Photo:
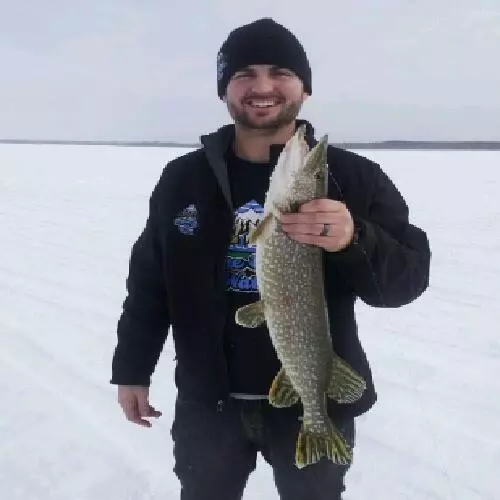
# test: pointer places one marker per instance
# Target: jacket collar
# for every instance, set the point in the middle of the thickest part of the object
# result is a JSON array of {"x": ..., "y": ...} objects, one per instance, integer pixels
[{"x": 217, "y": 143}]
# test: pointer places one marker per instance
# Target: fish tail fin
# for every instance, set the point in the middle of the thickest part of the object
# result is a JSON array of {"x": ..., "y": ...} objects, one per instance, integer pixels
[
  {"x": 346, "y": 385},
  {"x": 313, "y": 446},
  {"x": 282, "y": 393}
]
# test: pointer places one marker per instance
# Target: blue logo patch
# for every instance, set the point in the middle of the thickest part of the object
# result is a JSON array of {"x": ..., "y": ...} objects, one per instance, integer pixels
[
  {"x": 187, "y": 220},
  {"x": 240, "y": 266}
]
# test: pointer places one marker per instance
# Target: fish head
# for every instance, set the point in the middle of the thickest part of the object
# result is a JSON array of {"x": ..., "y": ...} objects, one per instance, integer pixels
[{"x": 300, "y": 174}]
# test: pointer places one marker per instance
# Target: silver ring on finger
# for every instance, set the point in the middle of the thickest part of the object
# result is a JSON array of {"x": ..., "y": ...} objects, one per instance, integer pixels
[{"x": 324, "y": 231}]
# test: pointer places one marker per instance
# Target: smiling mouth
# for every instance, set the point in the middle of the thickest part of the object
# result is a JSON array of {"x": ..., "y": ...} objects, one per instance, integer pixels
[{"x": 262, "y": 103}]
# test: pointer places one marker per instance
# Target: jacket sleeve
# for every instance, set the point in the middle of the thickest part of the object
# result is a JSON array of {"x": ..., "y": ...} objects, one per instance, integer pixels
[
  {"x": 387, "y": 264},
  {"x": 143, "y": 325}
]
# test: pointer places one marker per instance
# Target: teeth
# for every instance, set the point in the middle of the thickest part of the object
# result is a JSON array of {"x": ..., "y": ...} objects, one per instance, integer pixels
[{"x": 262, "y": 104}]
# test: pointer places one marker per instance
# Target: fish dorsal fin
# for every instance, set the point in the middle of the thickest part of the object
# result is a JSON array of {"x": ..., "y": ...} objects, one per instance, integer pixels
[{"x": 346, "y": 385}]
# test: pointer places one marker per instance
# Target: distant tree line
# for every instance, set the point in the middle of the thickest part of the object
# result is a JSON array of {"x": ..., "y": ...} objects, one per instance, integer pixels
[{"x": 393, "y": 144}]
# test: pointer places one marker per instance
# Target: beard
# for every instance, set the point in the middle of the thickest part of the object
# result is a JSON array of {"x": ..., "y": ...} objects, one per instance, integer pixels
[{"x": 286, "y": 116}]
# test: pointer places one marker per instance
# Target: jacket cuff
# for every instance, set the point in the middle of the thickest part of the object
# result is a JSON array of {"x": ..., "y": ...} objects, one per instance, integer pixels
[
  {"x": 361, "y": 245},
  {"x": 130, "y": 379}
]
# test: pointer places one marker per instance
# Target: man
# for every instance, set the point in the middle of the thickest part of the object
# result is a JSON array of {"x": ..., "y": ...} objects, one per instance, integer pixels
[{"x": 192, "y": 267}]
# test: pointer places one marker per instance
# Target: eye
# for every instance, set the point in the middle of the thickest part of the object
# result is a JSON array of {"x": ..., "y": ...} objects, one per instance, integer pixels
[
  {"x": 285, "y": 73},
  {"x": 244, "y": 73}
]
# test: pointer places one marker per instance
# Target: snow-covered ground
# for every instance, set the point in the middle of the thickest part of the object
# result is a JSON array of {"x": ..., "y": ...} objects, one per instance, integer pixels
[{"x": 68, "y": 216}]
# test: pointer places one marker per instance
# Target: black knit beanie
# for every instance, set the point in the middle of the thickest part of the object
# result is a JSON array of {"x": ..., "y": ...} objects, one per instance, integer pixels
[{"x": 262, "y": 42}]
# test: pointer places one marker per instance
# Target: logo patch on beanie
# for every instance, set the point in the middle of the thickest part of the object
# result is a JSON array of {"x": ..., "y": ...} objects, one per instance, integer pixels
[{"x": 221, "y": 65}]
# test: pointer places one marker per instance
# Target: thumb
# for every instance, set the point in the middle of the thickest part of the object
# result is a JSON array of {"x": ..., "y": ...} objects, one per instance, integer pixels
[{"x": 145, "y": 409}]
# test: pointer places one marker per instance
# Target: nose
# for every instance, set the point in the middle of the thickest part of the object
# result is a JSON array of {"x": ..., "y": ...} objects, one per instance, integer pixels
[{"x": 262, "y": 84}]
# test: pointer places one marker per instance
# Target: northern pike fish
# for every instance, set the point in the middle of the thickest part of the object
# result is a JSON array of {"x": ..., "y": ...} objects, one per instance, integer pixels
[{"x": 292, "y": 303}]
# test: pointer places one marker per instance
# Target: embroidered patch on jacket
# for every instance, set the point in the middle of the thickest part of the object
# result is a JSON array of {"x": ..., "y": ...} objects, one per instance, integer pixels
[{"x": 187, "y": 220}]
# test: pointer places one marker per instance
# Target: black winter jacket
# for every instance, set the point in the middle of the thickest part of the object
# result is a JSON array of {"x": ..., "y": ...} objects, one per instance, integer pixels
[{"x": 177, "y": 269}]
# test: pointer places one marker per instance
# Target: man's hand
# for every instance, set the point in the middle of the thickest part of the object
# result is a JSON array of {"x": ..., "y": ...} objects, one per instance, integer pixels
[
  {"x": 308, "y": 225},
  {"x": 134, "y": 401}
]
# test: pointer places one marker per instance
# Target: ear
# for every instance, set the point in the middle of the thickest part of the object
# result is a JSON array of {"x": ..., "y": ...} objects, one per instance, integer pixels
[{"x": 305, "y": 96}]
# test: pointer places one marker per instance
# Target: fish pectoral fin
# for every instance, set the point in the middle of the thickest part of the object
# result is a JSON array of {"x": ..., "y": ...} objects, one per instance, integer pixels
[
  {"x": 260, "y": 230},
  {"x": 282, "y": 393},
  {"x": 252, "y": 315},
  {"x": 346, "y": 385},
  {"x": 313, "y": 446}
]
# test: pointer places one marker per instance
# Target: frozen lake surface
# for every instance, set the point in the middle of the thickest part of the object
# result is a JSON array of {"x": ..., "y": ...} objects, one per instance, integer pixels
[{"x": 68, "y": 217}]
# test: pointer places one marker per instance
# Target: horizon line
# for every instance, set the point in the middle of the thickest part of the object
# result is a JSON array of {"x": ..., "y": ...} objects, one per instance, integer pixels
[{"x": 383, "y": 144}]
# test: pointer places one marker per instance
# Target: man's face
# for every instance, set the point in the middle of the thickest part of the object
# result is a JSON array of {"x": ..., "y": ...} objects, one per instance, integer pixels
[{"x": 264, "y": 97}]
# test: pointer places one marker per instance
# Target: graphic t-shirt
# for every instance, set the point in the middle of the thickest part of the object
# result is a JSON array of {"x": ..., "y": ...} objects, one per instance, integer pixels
[{"x": 252, "y": 360}]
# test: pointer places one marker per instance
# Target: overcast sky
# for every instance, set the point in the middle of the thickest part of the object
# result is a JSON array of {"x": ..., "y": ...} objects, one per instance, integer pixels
[{"x": 146, "y": 69}]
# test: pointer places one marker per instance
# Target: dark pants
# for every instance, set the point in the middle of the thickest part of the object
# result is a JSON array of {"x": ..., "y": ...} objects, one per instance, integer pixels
[{"x": 216, "y": 451}]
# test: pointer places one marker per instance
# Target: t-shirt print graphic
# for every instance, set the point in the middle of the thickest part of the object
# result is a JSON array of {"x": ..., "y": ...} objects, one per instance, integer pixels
[{"x": 241, "y": 256}]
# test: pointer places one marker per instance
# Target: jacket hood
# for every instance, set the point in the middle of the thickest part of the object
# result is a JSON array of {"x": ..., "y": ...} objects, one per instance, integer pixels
[{"x": 217, "y": 143}]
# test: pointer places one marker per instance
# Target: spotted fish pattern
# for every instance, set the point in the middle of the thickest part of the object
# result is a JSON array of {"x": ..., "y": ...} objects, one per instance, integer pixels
[{"x": 292, "y": 302}]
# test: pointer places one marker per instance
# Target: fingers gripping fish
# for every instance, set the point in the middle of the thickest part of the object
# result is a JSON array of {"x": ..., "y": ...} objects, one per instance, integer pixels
[{"x": 292, "y": 302}]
